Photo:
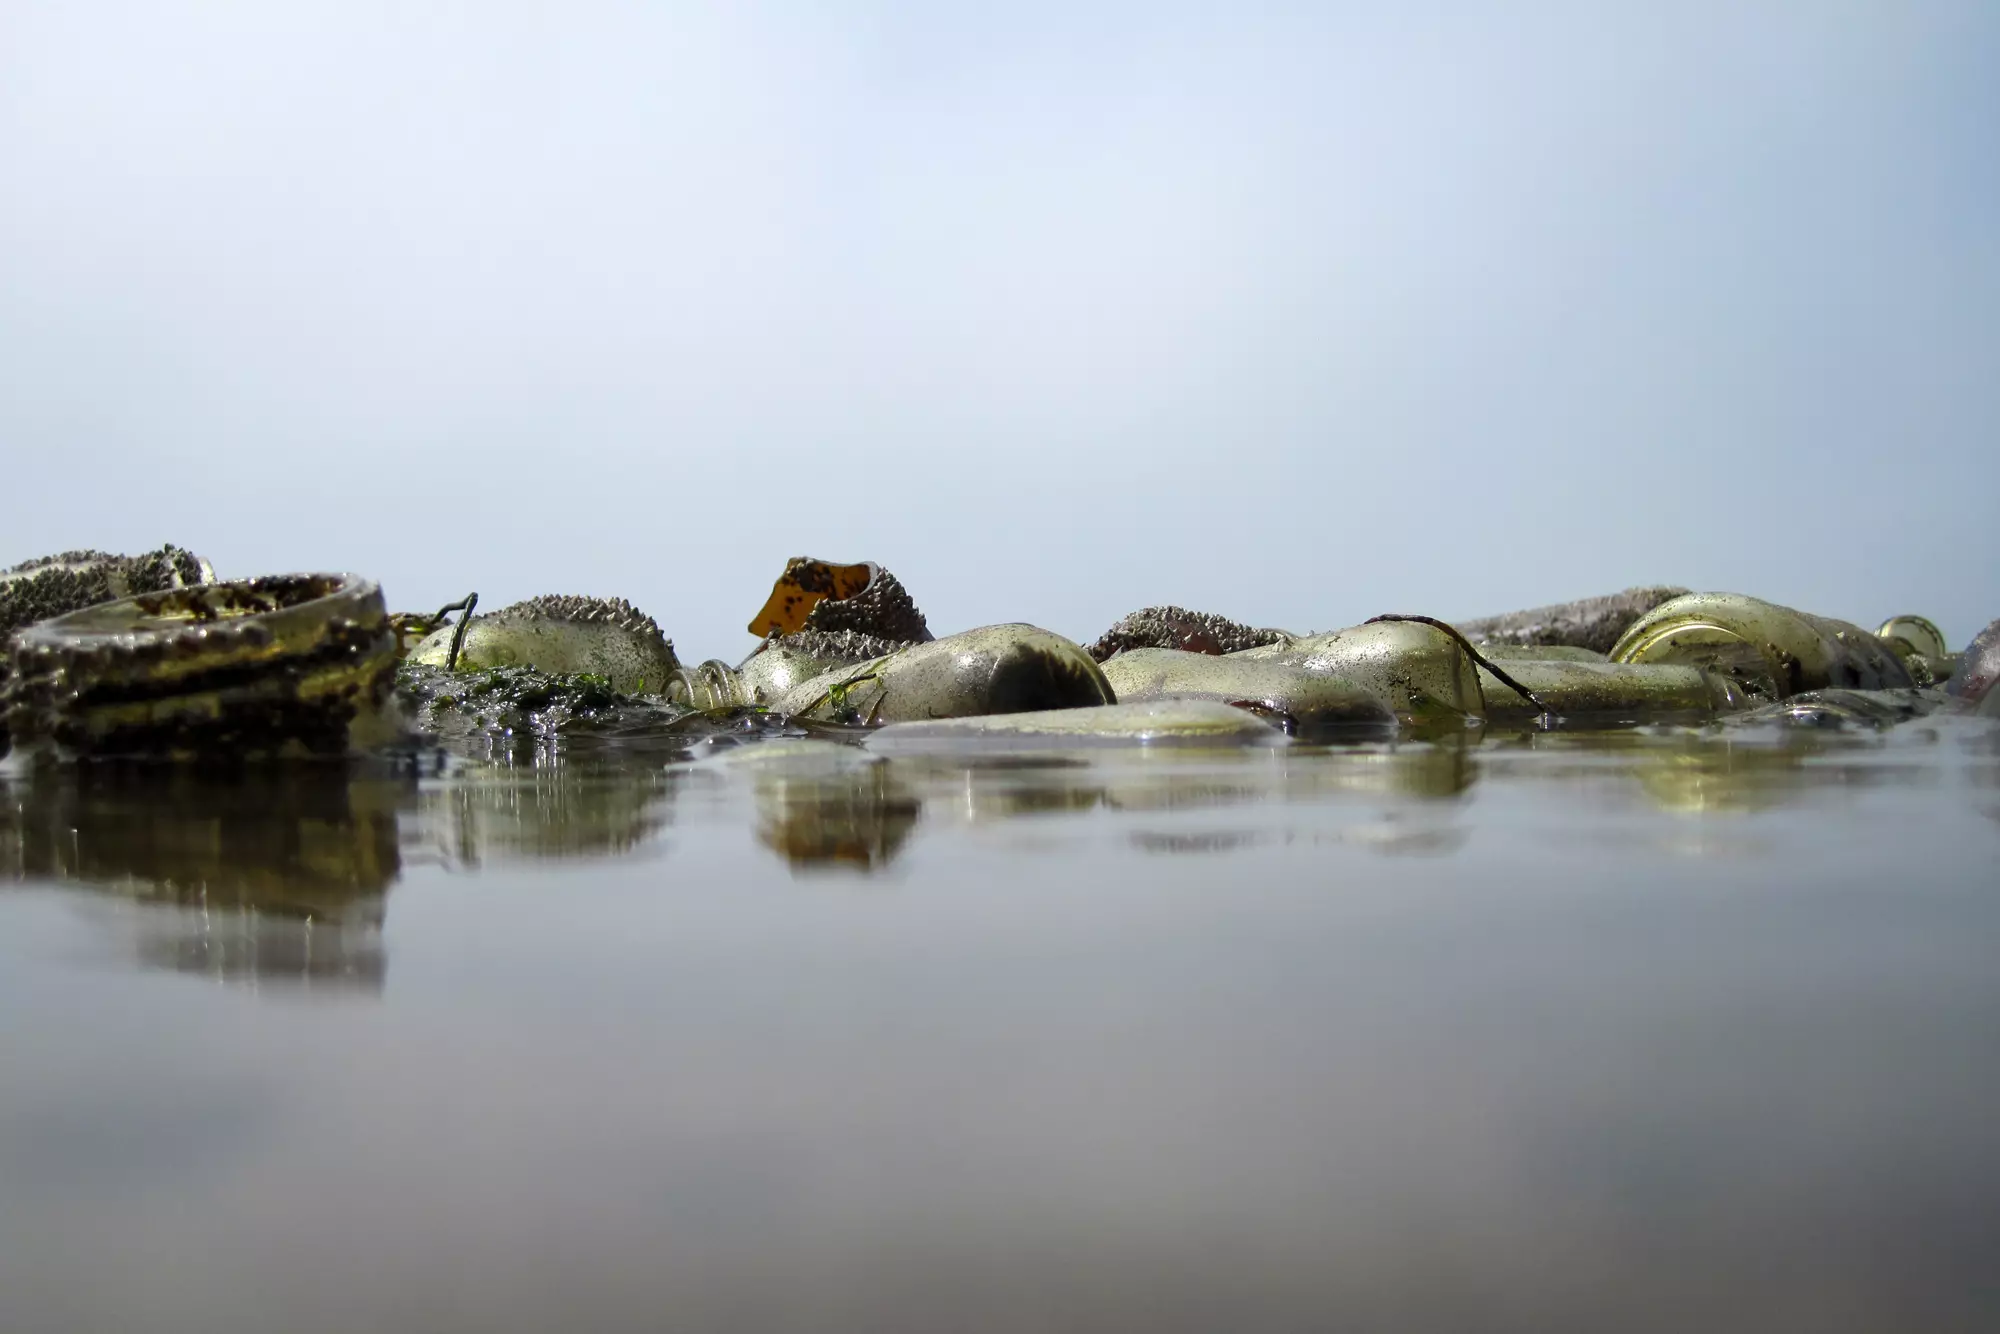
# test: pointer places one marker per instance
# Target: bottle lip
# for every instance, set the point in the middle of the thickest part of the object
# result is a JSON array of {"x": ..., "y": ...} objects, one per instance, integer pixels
[
  {"x": 1919, "y": 633},
  {"x": 169, "y": 639},
  {"x": 1642, "y": 641},
  {"x": 198, "y": 669},
  {"x": 216, "y": 606}
]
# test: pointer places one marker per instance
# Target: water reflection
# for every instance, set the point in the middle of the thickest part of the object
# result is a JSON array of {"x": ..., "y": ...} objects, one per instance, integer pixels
[
  {"x": 1703, "y": 771},
  {"x": 1424, "y": 771},
  {"x": 279, "y": 877},
  {"x": 823, "y": 804},
  {"x": 600, "y": 804},
  {"x": 984, "y": 789},
  {"x": 284, "y": 875},
  {"x": 1144, "y": 1041},
  {"x": 858, "y": 820}
]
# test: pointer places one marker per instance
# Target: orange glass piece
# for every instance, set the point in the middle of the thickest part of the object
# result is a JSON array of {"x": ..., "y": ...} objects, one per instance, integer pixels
[{"x": 805, "y": 584}]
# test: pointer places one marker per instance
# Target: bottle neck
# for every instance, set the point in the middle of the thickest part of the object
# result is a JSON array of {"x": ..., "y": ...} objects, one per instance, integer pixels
[{"x": 711, "y": 685}]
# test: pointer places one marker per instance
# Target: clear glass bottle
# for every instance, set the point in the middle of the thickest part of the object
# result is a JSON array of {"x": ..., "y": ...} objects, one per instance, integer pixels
[
  {"x": 1921, "y": 646},
  {"x": 1771, "y": 652}
]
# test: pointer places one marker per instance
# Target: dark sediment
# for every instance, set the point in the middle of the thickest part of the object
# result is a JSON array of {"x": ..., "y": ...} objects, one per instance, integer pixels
[
  {"x": 1592, "y": 623},
  {"x": 1179, "y": 628}
]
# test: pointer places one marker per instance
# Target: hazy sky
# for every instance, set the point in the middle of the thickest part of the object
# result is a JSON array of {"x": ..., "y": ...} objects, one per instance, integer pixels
[{"x": 1296, "y": 313}]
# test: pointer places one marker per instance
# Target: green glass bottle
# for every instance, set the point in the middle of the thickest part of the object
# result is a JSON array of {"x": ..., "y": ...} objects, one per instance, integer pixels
[
  {"x": 1608, "y": 692},
  {"x": 1309, "y": 699},
  {"x": 605, "y": 637},
  {"x": 995, "y": 669}
]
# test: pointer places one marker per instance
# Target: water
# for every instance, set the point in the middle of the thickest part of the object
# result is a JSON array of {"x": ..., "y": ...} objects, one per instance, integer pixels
[{"x": 1654, "y": 1031}]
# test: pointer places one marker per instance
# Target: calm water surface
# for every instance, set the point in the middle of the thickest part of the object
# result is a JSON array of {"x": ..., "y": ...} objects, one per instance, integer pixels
[{"x": 1638, "y": 1031}]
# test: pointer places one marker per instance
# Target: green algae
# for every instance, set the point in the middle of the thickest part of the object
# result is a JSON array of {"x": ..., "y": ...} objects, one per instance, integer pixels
[{"x": 503, "y": 699}]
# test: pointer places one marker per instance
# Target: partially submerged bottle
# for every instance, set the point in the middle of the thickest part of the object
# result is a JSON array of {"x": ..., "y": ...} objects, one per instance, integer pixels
[
  {"x": 1306, "y": 699},
  {"x": 1364, "y": 678},
  {"x": 1422, "y": 673},
  {"x": 1921, "y": 646},
  {"x": 777, "y": 667},
  {"x": 1579, "y": 685},
  {"x": 280, "y": 665},
  {"x": 606, "y": 637},
  {"x": 1607, "y": 692},
  {"x": 1770, "y": 652},
  {"x": 994, "y": 669},
  {"x": 1416, "y": 672}
]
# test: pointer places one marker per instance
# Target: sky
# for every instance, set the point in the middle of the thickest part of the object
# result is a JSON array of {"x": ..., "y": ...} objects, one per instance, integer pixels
[{"x": 1294, "y": 313}]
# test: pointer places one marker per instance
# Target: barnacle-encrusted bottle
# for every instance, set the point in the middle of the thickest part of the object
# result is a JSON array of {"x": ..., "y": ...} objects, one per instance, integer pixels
[
  {"x": 776, "y": 668},
  {"x": 285, "y": 664},
  {"x": 607, "y": 637},
  {"x": 821, "y": 616}
]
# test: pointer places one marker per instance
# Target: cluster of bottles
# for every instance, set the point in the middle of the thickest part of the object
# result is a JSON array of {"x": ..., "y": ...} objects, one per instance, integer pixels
[{"x": 110, "y": 655}]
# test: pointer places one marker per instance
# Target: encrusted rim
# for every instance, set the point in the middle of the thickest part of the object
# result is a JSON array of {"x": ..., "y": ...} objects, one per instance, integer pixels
[
  {"x": 184, "y": 632},
  {"x": 251, "y": 666}
]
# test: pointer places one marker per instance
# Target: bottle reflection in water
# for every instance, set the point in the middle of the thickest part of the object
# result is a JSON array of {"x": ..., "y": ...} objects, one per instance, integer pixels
[
  {"x": 551, "y": 808},
  {"x": 284, "y": 879},
  {"x": 853, "y": 818}
]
